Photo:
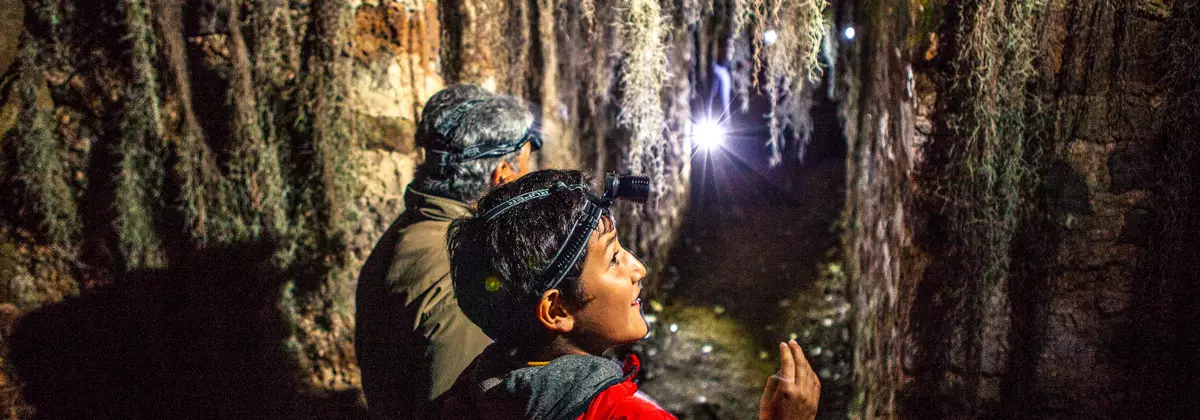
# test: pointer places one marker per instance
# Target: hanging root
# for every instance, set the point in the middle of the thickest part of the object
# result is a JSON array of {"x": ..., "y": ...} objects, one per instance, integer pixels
[
  {"x": 984, "y": 165},
  {"x": 254, "y": 170},
  {"x": 40, "y": 163},
  {"x": 328, "y": 175},
  {"x": 140, "y": 178},
  {"x": 791, "y": 64},
  {"x": 987, "y": 170},
  {"x": 601, "y": 22},
  {"x": 193, "y": 168},
  {"x": 272, "y": 71},
  {"x": 644, "y": 73},
  {"x": 516, "y": 48}
]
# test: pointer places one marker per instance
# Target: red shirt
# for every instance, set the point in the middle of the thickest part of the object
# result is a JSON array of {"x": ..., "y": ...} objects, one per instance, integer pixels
[{"x": 621, "y": 401}]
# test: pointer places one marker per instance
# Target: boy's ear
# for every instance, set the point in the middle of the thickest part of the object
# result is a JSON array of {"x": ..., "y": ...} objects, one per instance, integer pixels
[{"x": 552, "y": 312}]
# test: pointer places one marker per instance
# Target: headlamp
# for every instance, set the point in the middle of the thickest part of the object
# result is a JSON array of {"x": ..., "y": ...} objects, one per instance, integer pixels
[
  {"x": 627, "y": 187},
  {"x": 441, "y": 159}
]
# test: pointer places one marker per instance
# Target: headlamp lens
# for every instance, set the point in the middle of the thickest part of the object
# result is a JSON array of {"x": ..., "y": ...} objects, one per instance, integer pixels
[{"x": 634, "y": 188}]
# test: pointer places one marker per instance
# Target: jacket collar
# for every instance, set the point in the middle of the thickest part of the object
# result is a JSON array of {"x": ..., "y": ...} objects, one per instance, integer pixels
[
  {"x": 561, "y": 389},
  {"x": 432, "y": 207}
]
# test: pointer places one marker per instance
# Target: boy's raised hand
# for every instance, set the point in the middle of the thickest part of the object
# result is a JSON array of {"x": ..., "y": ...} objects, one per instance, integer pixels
[{"x": 792, "y": 393}]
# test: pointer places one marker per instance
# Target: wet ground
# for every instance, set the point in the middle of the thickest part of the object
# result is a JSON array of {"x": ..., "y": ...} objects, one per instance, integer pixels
[{"x": 757, "y": 263}]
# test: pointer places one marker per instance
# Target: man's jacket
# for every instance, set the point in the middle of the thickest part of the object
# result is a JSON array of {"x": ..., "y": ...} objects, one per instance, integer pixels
[
  {"x": 577, "y": 387},
  {"x": 411, "y": 338}
]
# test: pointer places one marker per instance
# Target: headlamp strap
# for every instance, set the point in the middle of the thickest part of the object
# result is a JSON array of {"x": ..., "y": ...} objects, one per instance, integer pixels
[
  {"x": 532, "y": 195},
  {"x": 626, "y": 187},
  {"x": 441, "y": 159},
  {"x": 451, "y": 121},
  {"x": 570, "y": 251}
]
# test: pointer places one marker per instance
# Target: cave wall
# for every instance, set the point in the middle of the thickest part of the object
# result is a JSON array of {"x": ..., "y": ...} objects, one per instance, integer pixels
[
  {"x": 190, "y": 186},
  {"x": 1020, "y": 243},
  {"x": 380, "y": 68}
]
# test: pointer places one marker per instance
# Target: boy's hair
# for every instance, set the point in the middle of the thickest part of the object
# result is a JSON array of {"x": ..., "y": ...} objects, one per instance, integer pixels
[
  {"x": 494, "y": 120},
  {"x": 497, "y": 265}
]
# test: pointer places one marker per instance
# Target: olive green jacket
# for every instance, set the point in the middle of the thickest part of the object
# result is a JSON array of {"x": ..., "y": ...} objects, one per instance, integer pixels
[{"x": 411, "y": 338}]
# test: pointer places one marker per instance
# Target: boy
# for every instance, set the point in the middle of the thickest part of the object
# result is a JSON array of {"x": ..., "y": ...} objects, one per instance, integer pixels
[{"x": 540, "y": 270}]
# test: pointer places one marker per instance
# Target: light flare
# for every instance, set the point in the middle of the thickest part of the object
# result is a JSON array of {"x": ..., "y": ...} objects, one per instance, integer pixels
[{"x": 708, "y": 134}]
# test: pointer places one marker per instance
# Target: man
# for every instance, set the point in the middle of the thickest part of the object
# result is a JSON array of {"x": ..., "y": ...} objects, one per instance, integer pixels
[{"x": 411, "y": 338}]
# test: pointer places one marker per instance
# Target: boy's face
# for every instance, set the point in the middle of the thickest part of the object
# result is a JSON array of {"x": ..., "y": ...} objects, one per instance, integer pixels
[{"x": 611, "y": 282}]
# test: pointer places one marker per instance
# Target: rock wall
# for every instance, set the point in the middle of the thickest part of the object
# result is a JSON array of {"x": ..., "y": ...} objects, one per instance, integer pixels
[
  {"x": 392, "y": 63},
  {"x": 1070, "y": 313},
  {"x": 202, "y": 130}
]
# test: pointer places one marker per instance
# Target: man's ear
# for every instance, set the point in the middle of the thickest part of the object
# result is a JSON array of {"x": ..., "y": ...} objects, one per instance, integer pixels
[
  {"x": 552, "y": 312},
  {"x": 504, "y": 173}
]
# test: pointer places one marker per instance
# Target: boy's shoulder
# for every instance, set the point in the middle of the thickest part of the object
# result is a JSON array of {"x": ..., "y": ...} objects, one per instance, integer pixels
[{"x": 624, "y": 402}]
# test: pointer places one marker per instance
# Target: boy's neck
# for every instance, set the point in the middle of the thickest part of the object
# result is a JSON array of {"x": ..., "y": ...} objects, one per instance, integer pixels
[{"x": 549, "y": 351}]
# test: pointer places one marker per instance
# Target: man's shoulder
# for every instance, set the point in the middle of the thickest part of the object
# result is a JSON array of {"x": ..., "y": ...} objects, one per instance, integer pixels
[{"x": 424, "y": 233}]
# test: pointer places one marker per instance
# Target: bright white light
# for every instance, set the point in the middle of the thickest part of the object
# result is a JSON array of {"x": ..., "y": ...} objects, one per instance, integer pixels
[
  {"x": 850, "y": 32},
  {"x": 770, "y": 36},
  {"x": 708, "y": 134}
]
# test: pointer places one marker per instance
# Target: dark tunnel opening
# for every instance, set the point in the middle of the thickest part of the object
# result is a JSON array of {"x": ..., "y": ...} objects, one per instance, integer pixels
[{"x": 757, "y": 262}]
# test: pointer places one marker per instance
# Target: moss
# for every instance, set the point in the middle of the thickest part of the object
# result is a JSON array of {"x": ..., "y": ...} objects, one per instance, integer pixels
[
  {"x": 983, "y": 164},
  {"x": 141, "y": 169},
  {"x": 41, "y": 166},
  {"x": 272, "y": 71},
  {"x": 325, "y": 170},
  {"x": 989, "y": 169},
  {"x": 643, "y": 74}
]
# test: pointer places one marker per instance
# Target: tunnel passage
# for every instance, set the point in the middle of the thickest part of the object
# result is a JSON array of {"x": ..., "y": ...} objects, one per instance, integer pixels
[{"x": 756, "y": 263}]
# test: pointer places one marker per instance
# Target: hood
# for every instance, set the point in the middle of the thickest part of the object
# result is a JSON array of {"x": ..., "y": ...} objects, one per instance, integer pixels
[{"x": 495, "y": 388}]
